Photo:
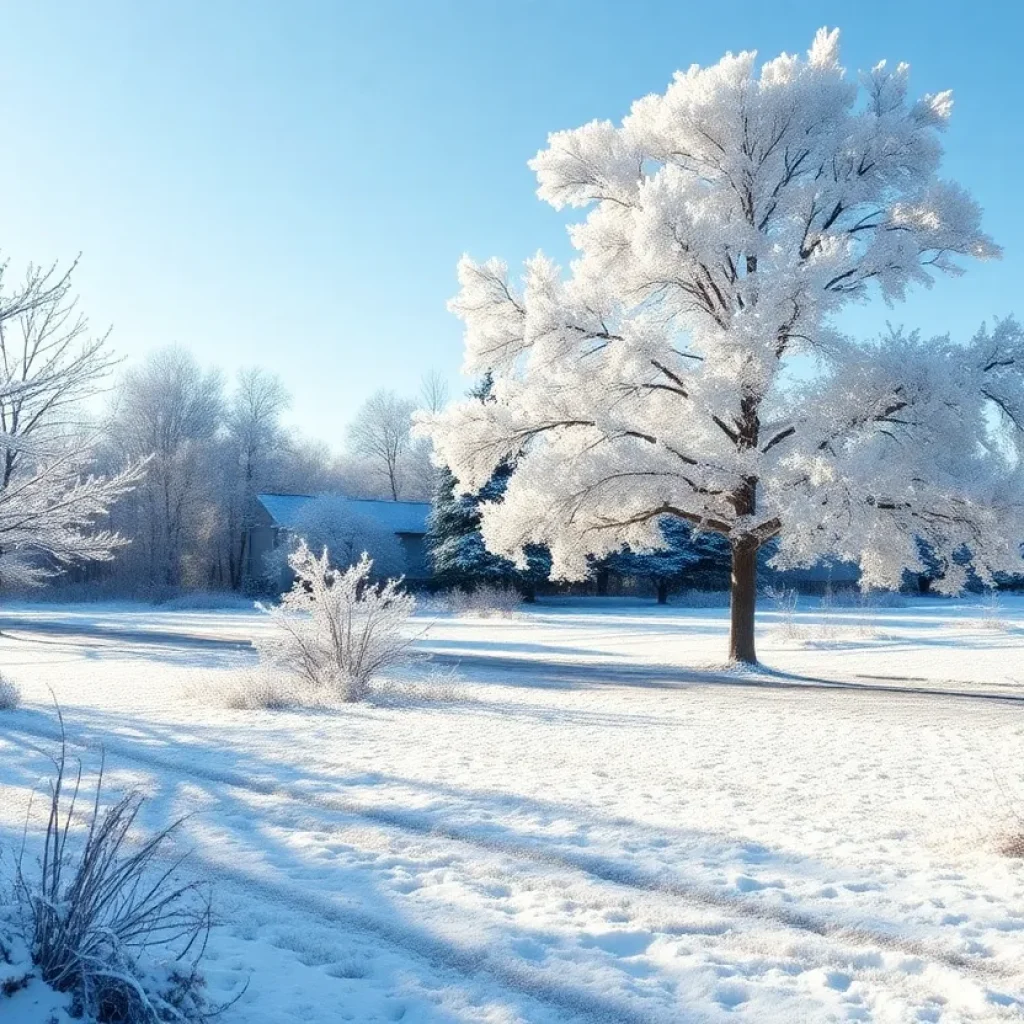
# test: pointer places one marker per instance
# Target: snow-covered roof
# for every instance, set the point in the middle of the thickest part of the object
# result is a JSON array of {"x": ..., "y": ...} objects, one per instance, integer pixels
[
  {"x": 399, "y": 516},
  {"x": 284, "y": 508}
]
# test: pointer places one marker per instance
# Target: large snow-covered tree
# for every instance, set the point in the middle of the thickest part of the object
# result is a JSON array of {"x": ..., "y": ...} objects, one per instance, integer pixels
[{"x": 732, "y": 217}]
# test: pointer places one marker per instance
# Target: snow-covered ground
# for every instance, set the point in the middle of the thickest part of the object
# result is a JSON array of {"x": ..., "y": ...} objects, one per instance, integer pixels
[{"x": 596, "y": 823}]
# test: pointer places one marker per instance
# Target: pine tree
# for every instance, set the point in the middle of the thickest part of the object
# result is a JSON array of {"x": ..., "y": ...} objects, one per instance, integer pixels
[
  {"x": 457, "y": 552},
  {"x": 456, "y": 548},
  {"x": 696, "y": 557}
]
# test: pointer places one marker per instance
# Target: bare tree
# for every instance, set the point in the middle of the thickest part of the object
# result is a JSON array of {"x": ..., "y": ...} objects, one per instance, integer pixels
[
  {"x": 49, "y": 364},
  {"x": 380, "y": 433},
  {"x": 169, "y": 411},
  {"x": 254, "y": 443},
  {"x": 48, "y": 361},
  {"x": 434, "y": 392}
]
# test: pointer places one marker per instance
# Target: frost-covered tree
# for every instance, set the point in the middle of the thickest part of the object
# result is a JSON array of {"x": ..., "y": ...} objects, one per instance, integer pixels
[
  {"x": 380, "y": 434},
  {"x": 170, "y": 411},
  {"x": 52, "y": 509},
  {"x": 731, "y": 218},
  {"x": 252, "y": 455}
]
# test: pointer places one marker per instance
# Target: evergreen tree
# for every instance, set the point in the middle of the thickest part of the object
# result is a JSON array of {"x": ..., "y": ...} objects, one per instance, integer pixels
[
  {"x": 456, "y": 549},
  {"x": 689, "y": 556},
  {"x": 457, "y": 553}
]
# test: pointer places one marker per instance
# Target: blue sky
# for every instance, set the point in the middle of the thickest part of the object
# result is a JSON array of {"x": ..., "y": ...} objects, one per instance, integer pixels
[{"x": 291, "y": 184}]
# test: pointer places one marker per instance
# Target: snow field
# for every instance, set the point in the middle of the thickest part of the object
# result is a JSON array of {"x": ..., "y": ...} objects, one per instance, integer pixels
[{"x": 670, "y": 846}]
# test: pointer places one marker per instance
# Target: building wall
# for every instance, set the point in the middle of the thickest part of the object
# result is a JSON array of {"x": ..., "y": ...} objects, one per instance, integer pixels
[
  {"x": 414, "y": 547},
  {"x": 263, "y": 539}
]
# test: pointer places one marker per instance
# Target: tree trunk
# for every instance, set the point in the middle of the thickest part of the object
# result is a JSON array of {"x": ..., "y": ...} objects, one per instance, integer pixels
[
  {"x": 662, "y": 592},
  {"x": 743, "y": 597},
  {"x": 601, "y": 581}
]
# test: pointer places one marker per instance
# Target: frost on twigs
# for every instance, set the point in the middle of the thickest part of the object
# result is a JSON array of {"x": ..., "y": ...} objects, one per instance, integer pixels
[
  {"x": 730, "y": 219},
  {"x": 335, "y": 631}
]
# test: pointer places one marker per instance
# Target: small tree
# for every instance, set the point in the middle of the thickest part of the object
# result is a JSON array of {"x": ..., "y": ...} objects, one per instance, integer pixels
[
  {"x": 433, "y": 391},
  {"x": 733, "y": 217},
  {"x": 254, "y": 439},
  {"x": 337, "y": 630}
]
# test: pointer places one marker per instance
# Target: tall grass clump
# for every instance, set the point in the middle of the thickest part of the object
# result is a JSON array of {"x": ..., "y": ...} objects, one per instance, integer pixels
[
  {"x": 102, "y": 914},
  {"x": 485, "y": 601}
]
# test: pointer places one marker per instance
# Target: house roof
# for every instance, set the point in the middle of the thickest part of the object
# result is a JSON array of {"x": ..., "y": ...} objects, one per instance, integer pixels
[{"x": 399, "y": 516}]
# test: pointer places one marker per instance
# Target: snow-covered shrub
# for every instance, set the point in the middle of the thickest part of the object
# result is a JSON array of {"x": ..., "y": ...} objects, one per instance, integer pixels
[
  {"x": 992, "y": 612},
  {"x": 336, "y": 630},
  {"x": 102, "y": 918},
  {"x": 485, "y": 601},
  {"x": 10, "y": 695},
  {"x": 784, "y": 599}
]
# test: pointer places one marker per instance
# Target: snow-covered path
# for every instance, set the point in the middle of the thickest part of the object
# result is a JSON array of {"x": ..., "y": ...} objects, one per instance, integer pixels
[{"x": 554, "y": 851}]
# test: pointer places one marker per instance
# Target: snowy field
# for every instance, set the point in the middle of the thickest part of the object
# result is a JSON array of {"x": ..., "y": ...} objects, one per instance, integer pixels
[{"x": 594, "y": 822}]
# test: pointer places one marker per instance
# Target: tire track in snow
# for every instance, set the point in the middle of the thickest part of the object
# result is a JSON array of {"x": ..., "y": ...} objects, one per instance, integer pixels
[
  {"x": 572, "y": 1003},
  {"x": 465, "y": 959},
  {"x": 593, "y": 866}
]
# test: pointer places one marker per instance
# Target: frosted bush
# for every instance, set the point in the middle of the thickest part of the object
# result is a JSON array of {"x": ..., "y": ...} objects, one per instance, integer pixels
[
  {"x": 992, "y": 612},
  {"x": 104, "y": 919},
  {"x": 335, "y": 630},
  {"x": 487, "y": 600}
]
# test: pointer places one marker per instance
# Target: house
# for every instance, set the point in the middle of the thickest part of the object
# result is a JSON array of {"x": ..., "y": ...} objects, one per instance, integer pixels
[
  {"x": 275, "y": 515},
  {"x": 826, "y": 574}
]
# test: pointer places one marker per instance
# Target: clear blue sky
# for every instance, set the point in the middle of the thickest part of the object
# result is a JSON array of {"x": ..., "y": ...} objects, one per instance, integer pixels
[{"x": 291, "y": 183}]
